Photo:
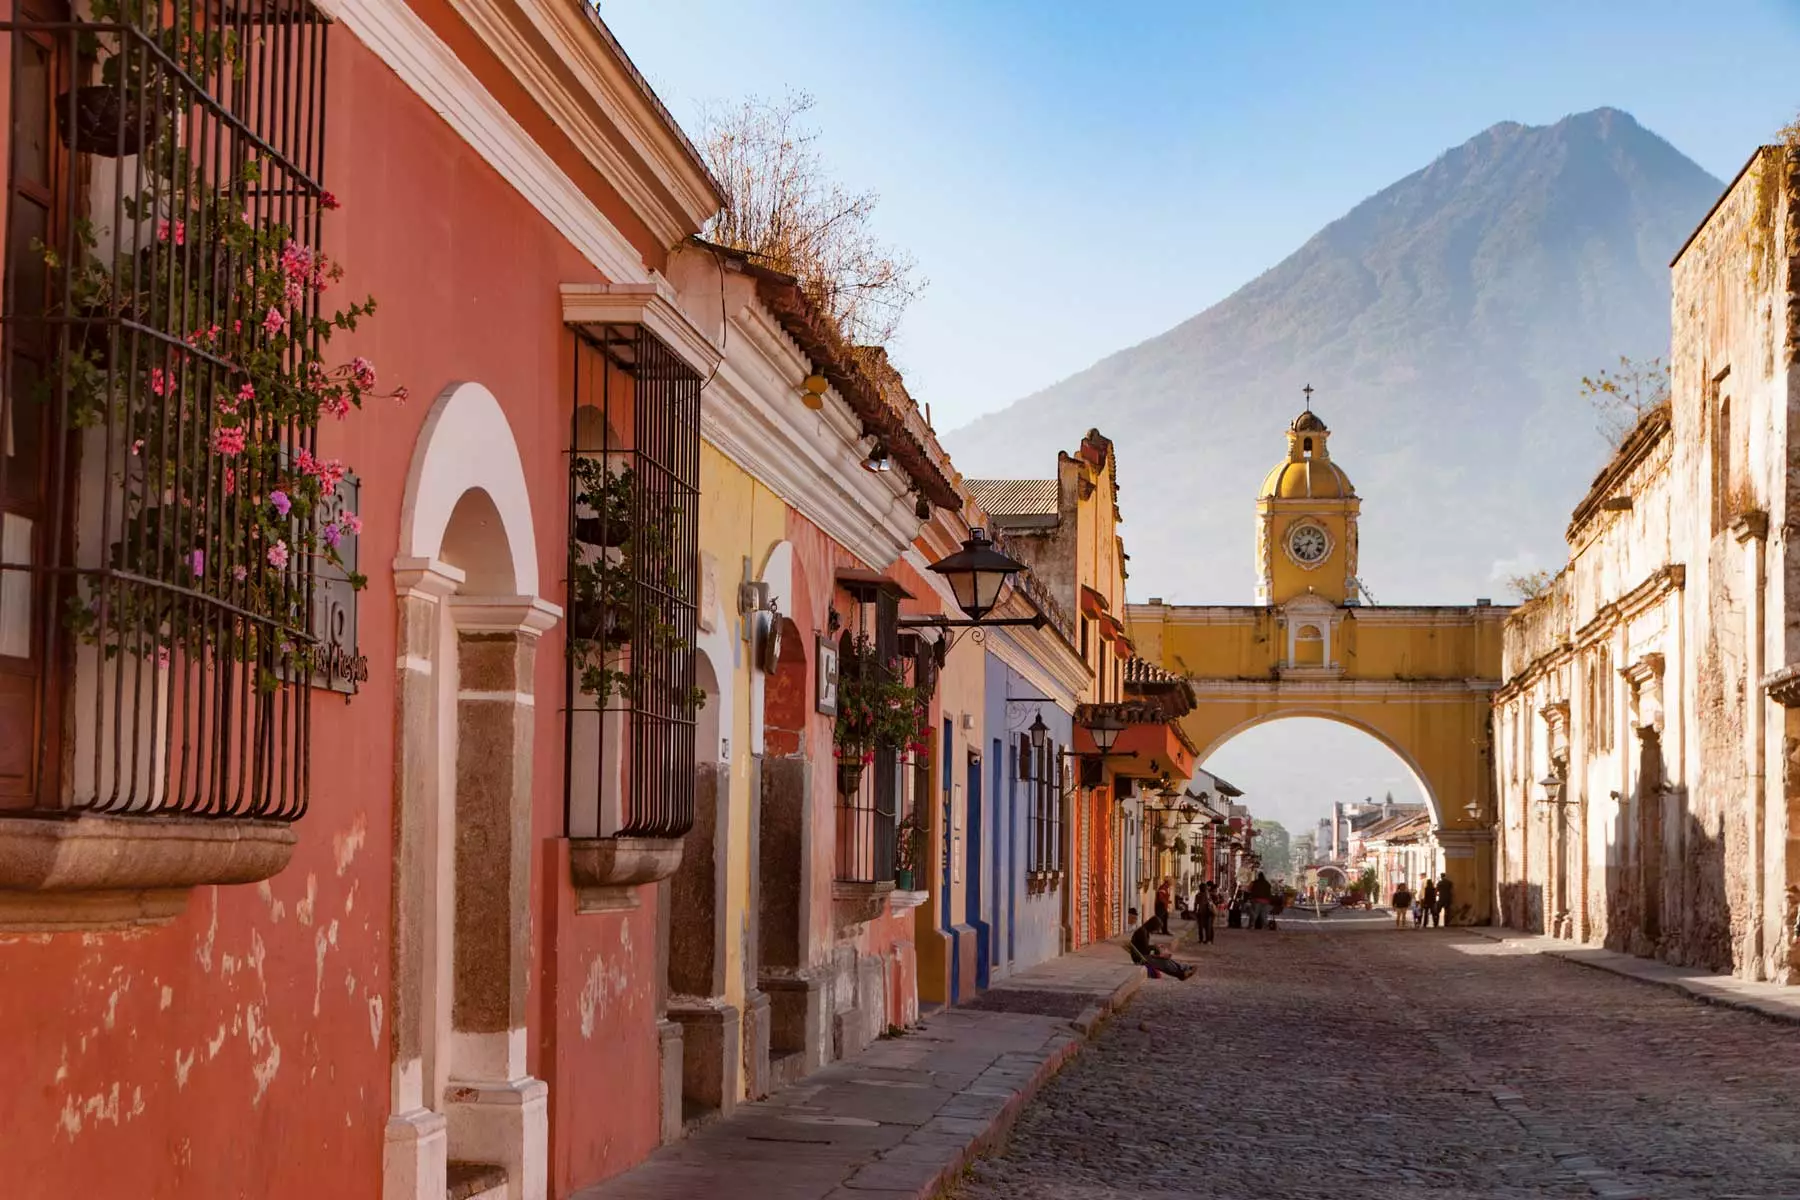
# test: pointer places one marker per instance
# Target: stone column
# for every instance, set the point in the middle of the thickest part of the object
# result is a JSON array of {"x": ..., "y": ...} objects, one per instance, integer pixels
[
  {"x": 1751, "y": 531},
  {"x": 497, "y": 1112},
  {"x": 417, "y": 1142}
]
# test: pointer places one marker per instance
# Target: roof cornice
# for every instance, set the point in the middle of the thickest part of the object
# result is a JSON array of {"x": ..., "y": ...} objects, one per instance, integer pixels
[{"x": 576, "y": 72}]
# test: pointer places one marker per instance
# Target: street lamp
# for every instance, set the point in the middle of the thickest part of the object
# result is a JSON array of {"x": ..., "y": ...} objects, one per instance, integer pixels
[
  {"x": 1105, "y": 729},
  {"x": 977, "y": 574},
  {"x": 1039, "y": 732}
]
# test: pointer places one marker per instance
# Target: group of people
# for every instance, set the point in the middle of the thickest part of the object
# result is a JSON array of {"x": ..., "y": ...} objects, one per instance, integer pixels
[
  {"x": 1256, "y": 906},
  {"x": 1430, "y": 905}
]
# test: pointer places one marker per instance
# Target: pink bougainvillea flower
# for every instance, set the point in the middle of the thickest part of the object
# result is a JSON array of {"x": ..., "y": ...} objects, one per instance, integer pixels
[
  {"x": 197, "y": 561},
  {"x": 162, "y": 382},
  {"x": 240, "y": 573},
  {"x": 363, "y": 372},
  {"x": 237, "y": 327},
  {"x": 273, "y": 322},
  {"x": 178, "y": 229},
  {"x": 230, "y": 480},
  {"x": 352, "y": 522},
  {"x": 400, "y": 393},
  {"x": 327, "y": 200},
  {"x": 329, "y": 472},
  {"x": 278, "y": 554},
  {"x": 137, "y": 447},
  {"x": 336, "y": 403},
  {"x": 228, "y": 440},
  {"x": 162, "y": 656},
  {"x": 279, "y": 500},
  {"x": 332, "y": 535}
]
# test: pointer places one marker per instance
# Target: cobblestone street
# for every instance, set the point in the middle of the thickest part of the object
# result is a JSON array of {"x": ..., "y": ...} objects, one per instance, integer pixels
[{"x": 1351, "y": 1059}]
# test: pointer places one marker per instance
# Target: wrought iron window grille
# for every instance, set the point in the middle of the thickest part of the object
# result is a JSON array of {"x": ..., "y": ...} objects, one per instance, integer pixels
[
  {"x": 150, "y": 661},
  {"x": 631, "y": 699}
]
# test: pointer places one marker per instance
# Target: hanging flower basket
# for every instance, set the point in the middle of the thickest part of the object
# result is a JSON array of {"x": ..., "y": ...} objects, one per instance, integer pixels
[
  {"x": 849, "y": 775},
  {"x": 109, "y": 121}
]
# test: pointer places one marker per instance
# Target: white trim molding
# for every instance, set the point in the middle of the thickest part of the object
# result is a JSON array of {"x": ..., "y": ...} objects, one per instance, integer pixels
[
  {"x": 649, "y": 303},
  {"x": 402, "y": 40},
  {"x": 671, "y": 192}
]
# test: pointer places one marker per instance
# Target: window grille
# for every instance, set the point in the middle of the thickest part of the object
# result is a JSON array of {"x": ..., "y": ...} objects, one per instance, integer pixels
[
  {"x": 633, "y": 588},
  {"x": 867, "y": 815},
  {"x": 156, "y": 651}
]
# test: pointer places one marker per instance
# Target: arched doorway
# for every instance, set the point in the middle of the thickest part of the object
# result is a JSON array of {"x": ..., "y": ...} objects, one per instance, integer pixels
[{"x": 469, "y": 619}]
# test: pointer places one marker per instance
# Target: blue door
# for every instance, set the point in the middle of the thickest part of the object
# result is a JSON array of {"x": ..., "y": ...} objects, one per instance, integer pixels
[{"x": 972, "y": 875}]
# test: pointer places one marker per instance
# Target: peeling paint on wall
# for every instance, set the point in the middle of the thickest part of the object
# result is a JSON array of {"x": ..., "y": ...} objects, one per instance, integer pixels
[{"x": 344, "y": 846}]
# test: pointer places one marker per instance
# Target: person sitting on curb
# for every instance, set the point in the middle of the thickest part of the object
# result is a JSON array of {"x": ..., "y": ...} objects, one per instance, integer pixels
[{"x": 1142, "y": 950}]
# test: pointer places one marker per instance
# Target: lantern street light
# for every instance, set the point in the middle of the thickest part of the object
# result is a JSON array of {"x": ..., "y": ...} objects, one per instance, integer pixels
[
  {"x": 1105, "y": 729},
  {"x": 978, "y": 575}
]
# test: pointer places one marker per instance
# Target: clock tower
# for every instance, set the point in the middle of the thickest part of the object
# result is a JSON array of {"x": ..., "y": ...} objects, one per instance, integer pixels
[{"x": 1306, "y": 521}]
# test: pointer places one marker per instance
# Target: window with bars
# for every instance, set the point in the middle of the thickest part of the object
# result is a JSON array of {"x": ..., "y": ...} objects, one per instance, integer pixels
[
  {"x": 633, "y": 593},
  {"x": 157, "y": 631},
  {"x": 1044, "y": 774},
  {"x": 868, "y": 807}
]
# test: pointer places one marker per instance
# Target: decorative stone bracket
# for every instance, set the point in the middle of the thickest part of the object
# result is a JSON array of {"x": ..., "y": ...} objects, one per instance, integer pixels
[
  {"x": 1646, "y": 679},
  {"x": 1783, "y": 686},
  {"x": 99, "y": 872}
]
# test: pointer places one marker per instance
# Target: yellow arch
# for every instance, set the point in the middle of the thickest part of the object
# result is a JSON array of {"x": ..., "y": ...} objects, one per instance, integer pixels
[{"x": 1326, "y": 714}]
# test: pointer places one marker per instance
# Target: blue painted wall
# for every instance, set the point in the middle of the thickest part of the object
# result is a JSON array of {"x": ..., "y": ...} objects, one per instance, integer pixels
[{"x": 1026, "y": 928}]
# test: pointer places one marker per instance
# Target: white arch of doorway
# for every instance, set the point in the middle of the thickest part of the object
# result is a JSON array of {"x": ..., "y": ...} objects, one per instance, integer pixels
[
  {"x": 468, "y": 603},
  {"x": 1324, "y": 714}
]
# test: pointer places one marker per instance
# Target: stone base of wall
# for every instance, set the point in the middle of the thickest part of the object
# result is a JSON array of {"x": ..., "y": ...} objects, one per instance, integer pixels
[
  {"x": 712, "y": 1055},
  {"x": 668, "y": 1035},
  {"x": 757, "y": 1021}
]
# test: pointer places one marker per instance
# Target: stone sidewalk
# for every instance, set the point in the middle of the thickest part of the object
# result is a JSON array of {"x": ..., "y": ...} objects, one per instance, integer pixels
[
  {"x": 900, "y": 1120},
  {"x": 1773, "y": 1000}
]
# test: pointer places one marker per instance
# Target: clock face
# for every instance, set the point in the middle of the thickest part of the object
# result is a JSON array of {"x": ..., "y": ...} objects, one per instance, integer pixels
[{"x": 1308, "y": 544}]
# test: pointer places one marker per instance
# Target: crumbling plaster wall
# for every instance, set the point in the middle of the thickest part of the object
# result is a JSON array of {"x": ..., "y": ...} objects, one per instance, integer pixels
[{"x": 1678, "y": 776}]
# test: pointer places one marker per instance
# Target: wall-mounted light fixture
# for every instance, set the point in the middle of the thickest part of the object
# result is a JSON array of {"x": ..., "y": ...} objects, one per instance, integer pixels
[{"x": 812, "y": 391}]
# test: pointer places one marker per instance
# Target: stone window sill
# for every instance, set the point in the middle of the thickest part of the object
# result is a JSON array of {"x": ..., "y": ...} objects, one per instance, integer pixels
[
  {"x": 97, "y": 872},
  {"x": 900, "y": 901},
  {"x": 859, "y": 903},
  {"x": 608, "y": 872}
]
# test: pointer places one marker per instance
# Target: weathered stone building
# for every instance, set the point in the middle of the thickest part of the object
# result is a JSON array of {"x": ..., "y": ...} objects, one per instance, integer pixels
[{"x": 1644, "y": 755}]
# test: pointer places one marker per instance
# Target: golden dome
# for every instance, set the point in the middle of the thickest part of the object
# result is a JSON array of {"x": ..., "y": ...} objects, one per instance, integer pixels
[{"x": 1307, "y": 479}]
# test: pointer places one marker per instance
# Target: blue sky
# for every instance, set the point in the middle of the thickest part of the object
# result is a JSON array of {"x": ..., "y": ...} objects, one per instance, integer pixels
[{"x": 1073, "y": 180}]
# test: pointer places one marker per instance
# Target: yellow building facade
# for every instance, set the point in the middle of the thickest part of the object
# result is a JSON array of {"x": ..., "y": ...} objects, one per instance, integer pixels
[{"x": 1419, "y": 679}]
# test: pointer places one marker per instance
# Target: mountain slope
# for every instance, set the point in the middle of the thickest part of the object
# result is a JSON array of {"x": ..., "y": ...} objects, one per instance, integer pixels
[{"x": 1446, "y": 322}]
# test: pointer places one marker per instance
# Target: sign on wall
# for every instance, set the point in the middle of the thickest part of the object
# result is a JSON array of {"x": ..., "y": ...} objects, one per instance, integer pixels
[{"x": 825, "y": 688}]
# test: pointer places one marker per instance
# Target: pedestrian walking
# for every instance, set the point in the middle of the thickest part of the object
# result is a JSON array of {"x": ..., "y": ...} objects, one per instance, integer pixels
[
  {"x": 1262, "y": 899},
  {"x": 1446, "y": 896},
  {"x": 1403, "y": 901},
  {"x": 1428, "y": 896},
  {"x": 1165, "y": 899},
  {"x": 1206, "y": 902}
]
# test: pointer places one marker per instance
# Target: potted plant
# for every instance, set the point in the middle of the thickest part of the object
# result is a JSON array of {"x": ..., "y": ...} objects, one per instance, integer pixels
[
  {"x": 113, "y": 118},
  {"x": 607, "y": 497},
  {"x": 877, "y": 710},
  {"x": 219, "y": 491},
  {"x": 910, "y": 848}
]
